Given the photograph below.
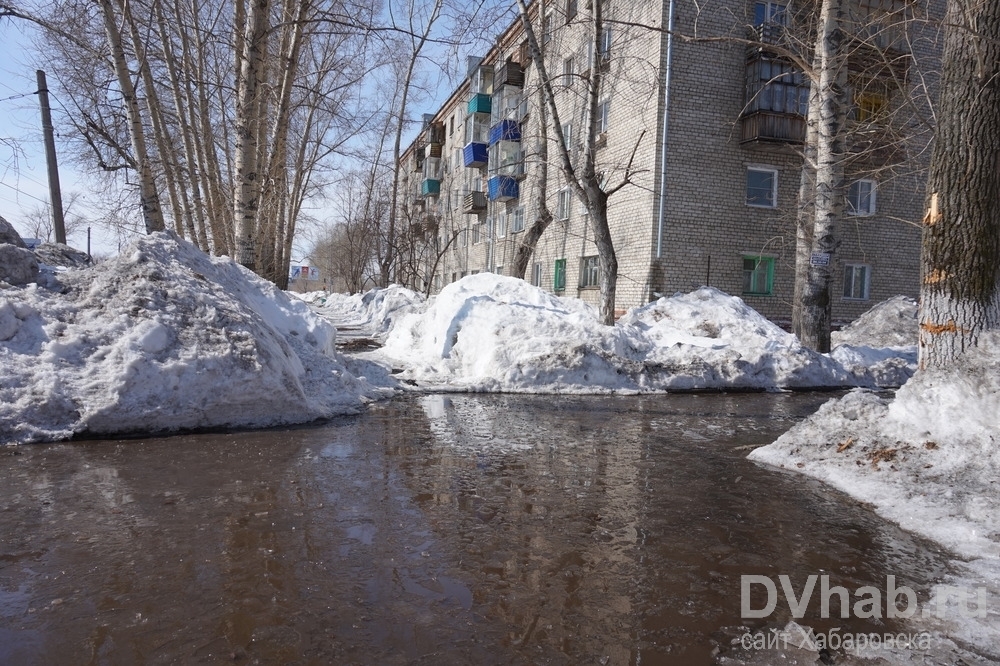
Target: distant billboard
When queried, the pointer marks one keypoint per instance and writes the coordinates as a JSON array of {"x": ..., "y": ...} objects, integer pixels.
[{"x": 303, "y": 272}]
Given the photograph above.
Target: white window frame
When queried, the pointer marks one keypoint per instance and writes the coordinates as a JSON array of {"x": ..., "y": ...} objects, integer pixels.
[
  {"x": 517, "y": 220},
  {"x": 774, "y": 185},
  {"x": 536, "y": 274},
  {"x": 590, "y": 271},
  {"x": 854, "y": 198},
  {"x": 563, "y": 203},
  {"x": 603, "y": 116},
  {"x": 568, "y": 72},
  {"x": 852, "y": 270},
  {"x": 501, "y": 225}
]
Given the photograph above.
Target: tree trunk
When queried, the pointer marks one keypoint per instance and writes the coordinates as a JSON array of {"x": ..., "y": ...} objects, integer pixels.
[
  {"x": 529, "y": 239},
  {"x": 828, "y": 112},
  {"x": 246, "y": 187},
  {"x": 960, "y": 259},
  {"x": 148, "y": 195}
]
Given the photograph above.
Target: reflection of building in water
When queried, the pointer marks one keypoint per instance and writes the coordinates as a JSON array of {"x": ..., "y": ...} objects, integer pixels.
[{"x": 527, "y": 484}]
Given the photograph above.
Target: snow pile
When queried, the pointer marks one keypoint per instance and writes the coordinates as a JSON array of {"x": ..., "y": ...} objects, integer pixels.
[
  {"x": 708, "y": 339},
  {"x": 929, "y": 459},
  {"x": 493, "y": 333},
  {"x": 880, "y": 347},
  {"x": 164, "y": 338},
  {"x": 377, "y": 310}
]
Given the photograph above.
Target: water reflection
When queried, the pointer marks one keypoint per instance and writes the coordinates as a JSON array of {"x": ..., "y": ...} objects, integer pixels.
[{"x": 438, "y": 529}]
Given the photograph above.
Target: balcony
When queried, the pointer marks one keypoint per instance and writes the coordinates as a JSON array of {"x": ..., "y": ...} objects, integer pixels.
[
  {"x": 430, "y": 187},
  {"x": 770, "y": 127},
  {"x": 480, "y": 103},
  {"x": 474, "y": 202},
  {"x": 509, "y": 74},
  {"x": 475, "y": 155},
  {"x": 503, "y": 188},
  {"x": 505, "y": 130},
  {"x": 763, "y": 35}
]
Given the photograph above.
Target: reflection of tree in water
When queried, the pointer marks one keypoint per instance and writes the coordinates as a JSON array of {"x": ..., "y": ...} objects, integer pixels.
[{"x": 621, "y": 526}]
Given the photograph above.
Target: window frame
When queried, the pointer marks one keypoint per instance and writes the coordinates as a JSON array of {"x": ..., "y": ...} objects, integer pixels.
[
  {"x": 768, "y": 263},
  {"x": 852, "y": 270},
  {"x": 564, "y": 203},
  {"x": 517, "y": 220},
  {"x": 774, "y": 185},
  {"x": 590, "y": 271},
  {"x": 857, "y": 211},
  {"x": 559, "y": 275},
  {"x": 603, "y": 116},
  {"x": 568, "y": 72},
  {"x": 536, "y": 274}
]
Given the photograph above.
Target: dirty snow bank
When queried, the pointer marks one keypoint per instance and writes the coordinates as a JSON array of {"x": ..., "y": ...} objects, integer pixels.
[
  {"x": 376, "y": 310},
  {"x": 929, "y": 460},
  {"x": 492, "y": 333},
  {"x": 163, "y": 338},
  {"x": 880, "y": 347}
]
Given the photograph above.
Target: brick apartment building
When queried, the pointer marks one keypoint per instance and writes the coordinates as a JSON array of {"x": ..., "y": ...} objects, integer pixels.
[{"x": 711, "y": 117}]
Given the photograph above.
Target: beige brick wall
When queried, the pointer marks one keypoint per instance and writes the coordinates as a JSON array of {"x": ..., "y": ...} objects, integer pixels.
[{"x": 707, "y": 228}]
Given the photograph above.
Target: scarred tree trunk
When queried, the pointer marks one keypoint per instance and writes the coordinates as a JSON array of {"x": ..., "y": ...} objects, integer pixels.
[
  {"x": 960, "y": 260},
  {"x": 828, "y": 119}
]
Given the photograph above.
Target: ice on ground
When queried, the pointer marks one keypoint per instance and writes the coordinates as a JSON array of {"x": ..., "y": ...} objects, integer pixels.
[
  {"x": 164, "y": 338},
  {"x": 929, "y": 460}
]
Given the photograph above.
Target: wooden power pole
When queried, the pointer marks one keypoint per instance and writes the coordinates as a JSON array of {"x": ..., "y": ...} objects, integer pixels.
[{"x": 55, "y": 194}]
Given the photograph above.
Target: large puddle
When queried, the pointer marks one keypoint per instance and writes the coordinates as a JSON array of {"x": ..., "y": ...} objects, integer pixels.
[{"x": 430, "y": 530}]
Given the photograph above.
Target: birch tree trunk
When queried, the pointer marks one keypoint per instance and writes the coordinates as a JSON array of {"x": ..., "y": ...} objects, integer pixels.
[
  {"x": 246, "y": 188},
  {"x": 151, "y": 213},
  {"x": 828, "y": 117},
  {"x": 960, "y": 259}
]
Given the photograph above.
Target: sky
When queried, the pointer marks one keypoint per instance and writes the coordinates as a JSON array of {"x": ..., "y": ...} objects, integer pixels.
[{"x": 23, "y": 179}]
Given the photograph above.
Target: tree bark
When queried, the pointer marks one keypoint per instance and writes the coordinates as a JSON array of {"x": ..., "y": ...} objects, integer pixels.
[
  {"x": 828, "y": 114},
  {"x": 246, "y": 164},
  {"x": 148, "y": 194},
  {"x": 960, "y": 259}
]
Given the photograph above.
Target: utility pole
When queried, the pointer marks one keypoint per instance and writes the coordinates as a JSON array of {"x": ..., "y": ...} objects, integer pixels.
[{"x": 55, "y": 194}]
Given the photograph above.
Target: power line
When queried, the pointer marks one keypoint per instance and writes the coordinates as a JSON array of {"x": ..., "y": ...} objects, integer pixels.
[
  {"x": 24, "y": 194},
  {"x": 7, "y": 99}
]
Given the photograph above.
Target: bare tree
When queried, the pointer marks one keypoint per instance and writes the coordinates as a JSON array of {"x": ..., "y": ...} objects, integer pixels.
[
  {"x": 586, "y": 180},
  {"x": 960, "y": 263}
]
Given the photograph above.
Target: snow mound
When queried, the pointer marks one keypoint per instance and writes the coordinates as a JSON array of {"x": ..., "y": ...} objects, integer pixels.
[
  {"x": 494, "y": 333},
  {"x": 891, "y": 323},
  {"x": 385, "y": 307},
  {"x": 928, "y": 459},
  {"x": 737, "y": 346},
  {"x": 164, "y": 338}
]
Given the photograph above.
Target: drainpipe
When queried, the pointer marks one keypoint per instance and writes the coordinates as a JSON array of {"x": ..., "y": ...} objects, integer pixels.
[{"x": 666, "y": 118}]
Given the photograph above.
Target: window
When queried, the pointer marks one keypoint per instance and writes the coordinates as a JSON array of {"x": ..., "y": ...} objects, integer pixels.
[
  {"x": 567, "y": 130},
  {"x": 536, "y": 274},
  {"x": 559, "y": 275},
  {"x": 477, "y": 233},
  {"x": 563, "y": 204},
  {"x": 498, "y": 269},
  {"x": 502, "y": 225},
  {"x": 870, "y": 107},
  {"x": 758, "y": 275},
  {"x": 603, "y": 115},
  {"x": 857, "y": 278},
  {"x": 773, "y": 85},
  {"x": 604, "y": 47},
  {"x": 547, "y": 27},
  {"x": 488, "y": 228},
  {"x": 762, "y": 187},
  {"x": 517, "y": 220},
  {"x": 451, "y": 125},
  {"x": 861, "y": 197},
  {"x": 766, "y": 12},
  {"x": 567, "y": 72},
  {"x": 571, "y": 9},
  {"x": 590, "y": 272}
]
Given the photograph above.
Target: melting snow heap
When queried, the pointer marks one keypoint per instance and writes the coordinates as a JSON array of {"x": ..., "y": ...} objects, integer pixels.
[
  {"x": 492, "y": 333},
  {"x": 163, "y": 338}
]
